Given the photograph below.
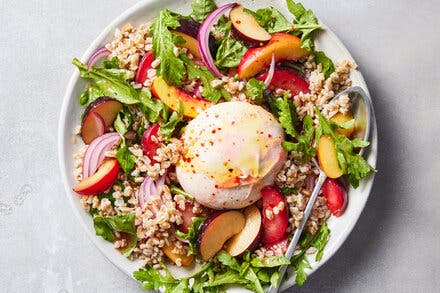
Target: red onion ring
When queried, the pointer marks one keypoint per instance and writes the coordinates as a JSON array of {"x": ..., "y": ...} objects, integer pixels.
[
  {"x": 269, "y": 76},
  {"x": 96, "y": 54},
  {"x": 203, "y": 37},
  {"x": 149, "y": 188},
  {"x": 95, "y": 152}
]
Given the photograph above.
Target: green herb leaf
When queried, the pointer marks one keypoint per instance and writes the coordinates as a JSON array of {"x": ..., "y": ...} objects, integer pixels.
[
  {"x": 119, "y": 125},
  {"x": 125, "y": 158},
  {"x": 168, "y": 128},
  {"x": 305, "y": 23},
  {"x": 112, "y": 63},
  {"x": 111, "y": 82},
  {"x": 255, "y": 90},
  {"x": 230, "y": 50},
  {"x": 271, "y": 20},
  {"x": 351, "y": 163},
  {"x": 176, "y": 190},
  {"x": 326, "y": 63},
  {"x": 192, "y": 234},
  {"x": 205, "y": 76},
  {"x": 201, "y": 9},
  {"x": 106, "y": 226},
  {"x": 288, "y": 190},
  {"x": 320, "y": 240},
  {"x": 171, "y": 68},
  {"x": 301, "y": 264},
  {"x": 270, "y": 262},
  {"x": 152, "y": 279},
  {"x": 152, "y": 108}
]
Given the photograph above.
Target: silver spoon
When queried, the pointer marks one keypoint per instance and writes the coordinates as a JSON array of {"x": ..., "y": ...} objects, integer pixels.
[{"x": 361, "y": 109}]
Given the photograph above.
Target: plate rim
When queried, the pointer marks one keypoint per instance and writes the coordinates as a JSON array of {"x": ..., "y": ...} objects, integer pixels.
[{"x": 61, "y": 142}]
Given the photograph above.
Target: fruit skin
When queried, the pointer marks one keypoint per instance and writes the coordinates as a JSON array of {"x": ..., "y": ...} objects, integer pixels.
[
  {"x": 336, "y": 196},
  {"x": 285, "y": 47},
  {"x": 327, "y": 158},
  {"x": 185, "y": 260},
  {"x": 144, "y": 66},
  {"x": 340, "y": 119},
  {"x": 246, "y": 26},
  {"x": 275, "y": 226},
  {"x": 286, "y": 79},
  {"x": 102, "y": 180},
  {"x": 250, "y": 236},
  {"x": 190, "y": 43},
  {"x": 191, "y": 28},
  {"x": 105, "y": 107},
  {"x": 93, "y": 127},
  {"x": 172, "y": 96},
  {"x": 187, "y": 215},
  {"x": 217, "y": 229},
  {"x": 149, "y": 146}
]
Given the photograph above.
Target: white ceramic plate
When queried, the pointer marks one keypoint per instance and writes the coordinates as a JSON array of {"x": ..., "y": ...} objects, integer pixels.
[{"x": 326, "y": 40}]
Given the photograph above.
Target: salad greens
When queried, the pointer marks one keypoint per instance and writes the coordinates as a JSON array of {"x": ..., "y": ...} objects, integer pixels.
[
  {"x": 255, "y": 90},
  {"x": 230, "y": 50},
  {"x": 305, "y": 23},
  {"x": 201, "y": 9},
  {"x": 107, "y": 226},
  {"x": 326, "y": 63},
  {"x": 271, "y": 20},
  {"x": 191, "y": 235}
]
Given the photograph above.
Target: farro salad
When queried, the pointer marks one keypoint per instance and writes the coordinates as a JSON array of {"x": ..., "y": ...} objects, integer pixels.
[{"x": 199, "y": 133}]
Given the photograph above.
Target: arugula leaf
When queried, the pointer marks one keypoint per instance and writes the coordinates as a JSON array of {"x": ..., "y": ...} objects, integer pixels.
[
  {"x": 201, "y": 9},
  {"x": 288, "y": 190},
  {"x": 112, "y": 63},
  {"x": 106, "y": 226},
  {"x": 230, "y": 50},
  {"x": 176, "y": 190},
  {"x": 205, "y": 76},
  {"x": 301, "y": 264},
  {"x": 255, "y": 90},
  {"x": 351, "y": 163},
  {"x": 125, "y": 158},
  {"x": 305, "y": 23},
  {"x": 326, "y": 63},
  {"x": 171, "y": 68},
  {"x": 152, "y": 108},
  {"x": 91, "y": 93},
  {"x": 287, "y": 116},
  {"x": 111, "y": 82},
  {"x": 168, "y": 128},
  {"x": 270, "y": 262},
  {"x": 153, "y": 280},
  {"x": 228, "y": 260},
  {"x": 192, "y": 234},
  {"x": 119, "y": 125},
  {"x": 271, "y": 20},
  {"x": 320, "y": 240}
]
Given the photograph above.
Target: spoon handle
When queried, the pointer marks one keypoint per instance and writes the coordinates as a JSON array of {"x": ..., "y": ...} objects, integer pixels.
[{"x": 297, "y": 234}]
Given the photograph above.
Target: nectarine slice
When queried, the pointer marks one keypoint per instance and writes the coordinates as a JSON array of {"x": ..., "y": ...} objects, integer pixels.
[
  {"x": 285, "y": 47},
  {"x": 102, "y": 180},
  {"x": 328, "y": 160},
  {"x": 172, "y": 96},
  {"x": 340, "y": 119},
  {"x": 92, "y": 127},
  {"x": 190, "y": 43},
  {"x": 217, "y": 229},
  {"x": 250, "y": 236},
  {"x": 185, "y": 260},
  {"x": 247, "y": 26}
]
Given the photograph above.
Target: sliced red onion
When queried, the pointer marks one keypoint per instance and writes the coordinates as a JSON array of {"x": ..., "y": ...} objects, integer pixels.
[
  {"x": 149, "y": 188},
  {"x": 269, "y": 76},
  {"x": 95, "y": 152},
  {"x": 98, "y": 53},
  {"x": 203, "y": 37}
]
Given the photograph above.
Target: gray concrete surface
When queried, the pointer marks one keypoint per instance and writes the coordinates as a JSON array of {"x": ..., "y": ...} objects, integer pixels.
[{"x": 395, "y": 247}]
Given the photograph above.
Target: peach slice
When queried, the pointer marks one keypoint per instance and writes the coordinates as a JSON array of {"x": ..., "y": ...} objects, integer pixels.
[
  {"x": 102, "y": 180},
  {"x": 340, "y": 119},
  {"x": 247, "y": 26},
  {"x": 285, "y": 47},
  {"x": 172, "y": 96},
  {"x": 185, "y": 260},
  {"x": 251, "y": 234},
  {"x": 190, "y": 43},
  {"x": 327, "y": 157},
  {"x": 217, "y": 229},
  {"x": 107, "y": 108}
]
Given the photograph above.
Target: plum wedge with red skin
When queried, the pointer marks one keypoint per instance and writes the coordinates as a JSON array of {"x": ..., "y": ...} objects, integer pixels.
[
  {"x": 150, "y": 145},
  {"x": 250, "y": 236},
  {"x": 92, "y": 127},
  {"x": 144, "y": 66},
  {"x": 336, "y": 196},
  {"x": 101, "y": 181},
  {"x": 247, "y": 27},
  {"x": 107, "y": 108},
  {"x": 286, "y": 79},
  {"x": 275, "y": 215},
  {"x": 216, "y": 230}
]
